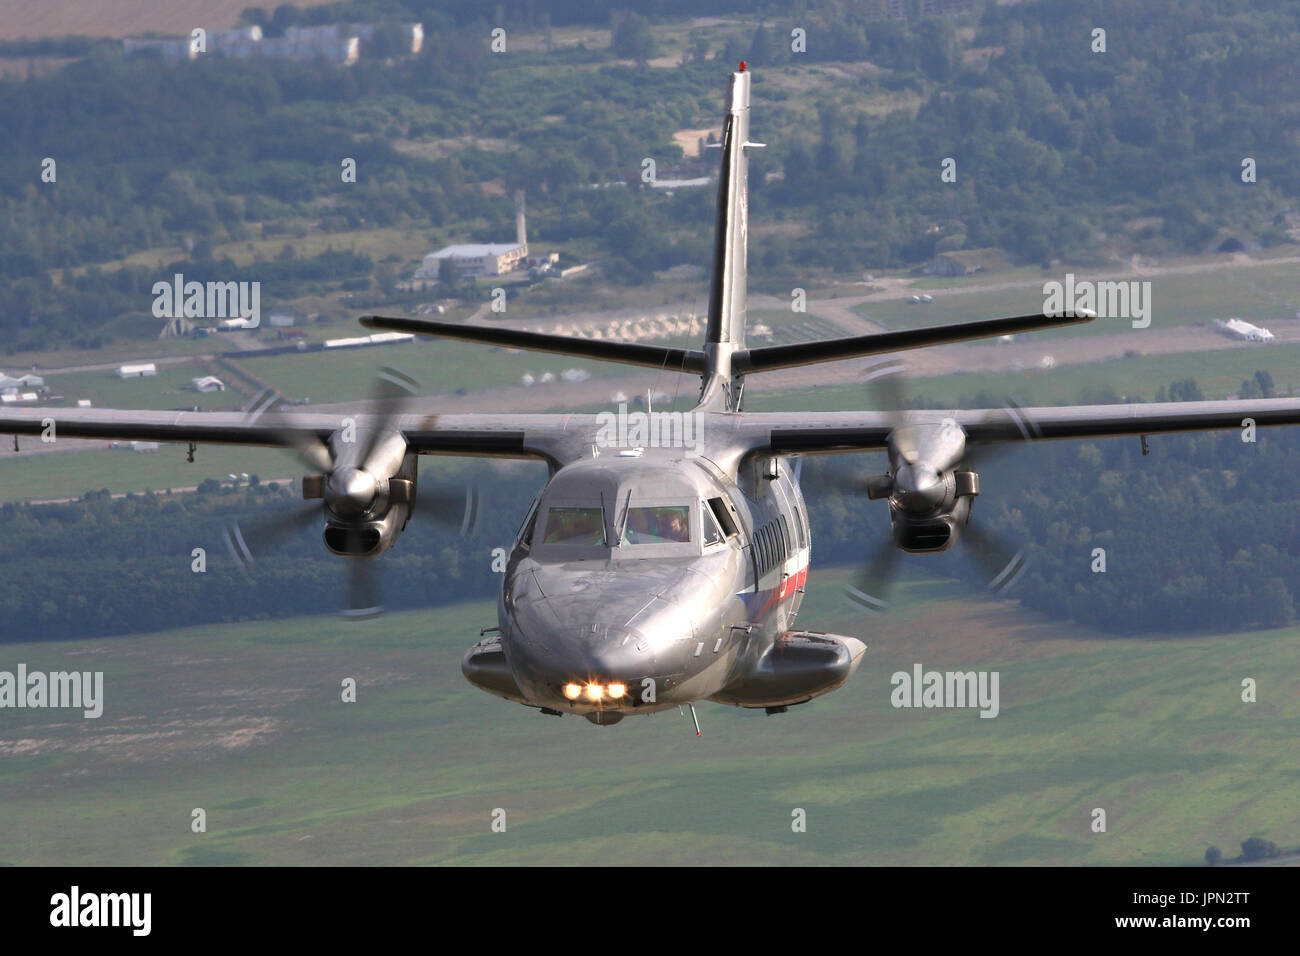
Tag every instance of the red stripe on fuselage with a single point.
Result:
(788, 587)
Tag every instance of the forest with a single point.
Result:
(1059, 151)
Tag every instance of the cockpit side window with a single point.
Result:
(712, 533)
(574, 525)
(719, 509)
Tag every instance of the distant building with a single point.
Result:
(137, 371)
(379, 338)
(339, 43)
(209, 383)
(1240, 329)
(965, 262)
(20, 381)
(474, 260)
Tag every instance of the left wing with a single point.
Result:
(812, 433)
(499, 436)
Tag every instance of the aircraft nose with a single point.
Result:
(584, 667)
(603, 655)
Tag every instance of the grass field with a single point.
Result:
(70, 475)
(1261, 293)
(170, 388)
(246, 722)
(1219, 373)
(446, 366)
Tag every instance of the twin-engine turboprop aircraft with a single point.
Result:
(650, 574)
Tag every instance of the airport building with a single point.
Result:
(476, 260)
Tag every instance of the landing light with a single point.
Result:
(572, 691)
(595, 692)
(616, 690)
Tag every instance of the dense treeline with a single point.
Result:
(104, 566)
(1058, 150)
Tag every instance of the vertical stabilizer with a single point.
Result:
(726, 329)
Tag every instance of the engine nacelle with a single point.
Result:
(365, 513)
(369, 538)
(938, 529)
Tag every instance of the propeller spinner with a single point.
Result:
(365, 482)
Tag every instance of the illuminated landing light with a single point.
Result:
(595, 692)
(616, 690)
(572, 691)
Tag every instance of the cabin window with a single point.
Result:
(785, 538)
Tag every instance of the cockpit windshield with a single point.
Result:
(664, 524)
(568, 525)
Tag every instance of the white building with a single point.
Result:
(20, 381)
(209, 383)
(482, 259)
(1244, 330)
(137, 371)
(339, 43)
(475, 259)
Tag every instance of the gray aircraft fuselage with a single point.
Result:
(670, 622)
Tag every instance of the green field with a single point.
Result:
(445, 366)
(171, 388)
(1265, 294)
(72, 474)
(246, 722)
(1219, 373)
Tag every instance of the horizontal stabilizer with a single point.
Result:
(810, 353)
(629, 353)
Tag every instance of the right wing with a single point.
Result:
(812, 433)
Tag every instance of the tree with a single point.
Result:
(632, 37)
(1213, 855)
(448, 276)
(1257, 848)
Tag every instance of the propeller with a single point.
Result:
(362, 478)
(921, 456)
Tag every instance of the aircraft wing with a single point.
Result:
(508, 436)
(811, 433)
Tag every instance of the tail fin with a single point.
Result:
(727, 307)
